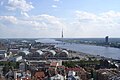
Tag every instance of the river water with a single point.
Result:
(108, 52)
(90, 49)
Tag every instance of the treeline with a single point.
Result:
(98, 43)
(15, 65)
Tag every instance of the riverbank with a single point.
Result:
(84, 56)
(96, 51)
(94, 41)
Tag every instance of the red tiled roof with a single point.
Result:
(61, 66)
(23, 79)
(28, 72)
(39, 74)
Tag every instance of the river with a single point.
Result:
(108, 52)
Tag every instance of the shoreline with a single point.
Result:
(93, 44)
(89, 52)
(78, 54)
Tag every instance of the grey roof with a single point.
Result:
(26, 52)
(40, 52)
(52, 51)
(2, 51)
(65, 51)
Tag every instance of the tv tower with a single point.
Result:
(62, 36)
(62, 33)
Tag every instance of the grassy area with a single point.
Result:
(11, 64)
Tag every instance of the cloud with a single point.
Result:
(52, 21)
(81, 15)
(34, 26)
(54, 6)
(24, 14)
(106, 18)
(96, 25)
(19, 4)
(10, 19)
(43, 20)
(1, 3)
(83, 24)
(57, 0)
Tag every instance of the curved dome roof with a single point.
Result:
(65, 51)
(52, 51)
(25, 52)
(40, 52)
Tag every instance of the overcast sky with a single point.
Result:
(46, 18)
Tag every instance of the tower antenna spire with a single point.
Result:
(62, 33)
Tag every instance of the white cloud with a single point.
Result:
(52, 21)
(10, 19)
(96, 25)
(1, 3)
(36, 26)
(57, 0)
(19, 4)
(24, 14)
(85, 15)
(110, 16)
(84, 24)
(54, 6)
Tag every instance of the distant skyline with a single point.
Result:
(46, 18)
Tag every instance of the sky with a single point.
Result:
(47, 18)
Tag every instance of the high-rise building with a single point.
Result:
(106, 39)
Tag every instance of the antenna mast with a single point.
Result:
(62, 33)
